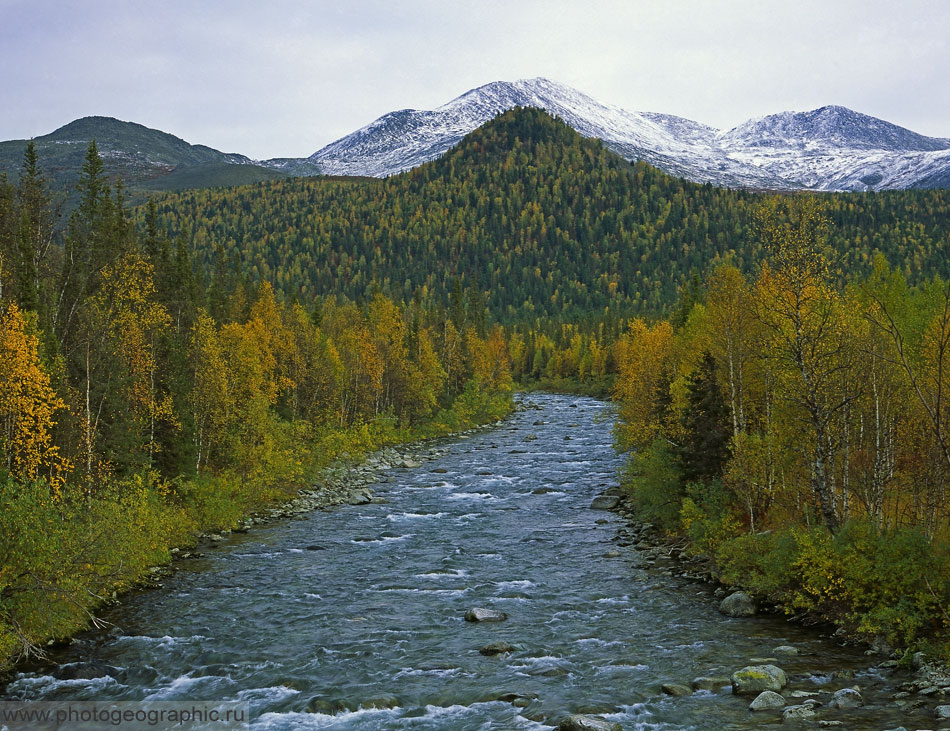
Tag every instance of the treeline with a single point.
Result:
(795, 430)
(546, 223)
(140, 404)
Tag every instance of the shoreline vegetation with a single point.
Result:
(791, 430)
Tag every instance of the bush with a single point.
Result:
(708, 516)
(653, 481)
(894, 584)
(58, 558)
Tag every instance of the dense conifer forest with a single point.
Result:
(544, 222)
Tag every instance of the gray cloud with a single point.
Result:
(282, 78)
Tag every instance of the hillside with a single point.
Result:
(145, 159)
(550, 223)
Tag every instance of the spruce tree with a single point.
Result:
(705, 420)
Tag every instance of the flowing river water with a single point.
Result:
(315, 621)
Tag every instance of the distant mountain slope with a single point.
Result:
(832, 148)
(551, 224)
(145, 159)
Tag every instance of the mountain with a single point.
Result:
(832, 148)
(402, 140)
(146, 159)
(835, 148)
(551, 224)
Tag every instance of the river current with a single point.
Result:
(354, 618)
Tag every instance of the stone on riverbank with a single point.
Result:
(767, 700)
(753, 679)
(480, 614)
(738, 604)
(578, 722)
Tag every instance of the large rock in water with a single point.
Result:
(709, 683)
(480, 614)
(798, 713)
(738, 604)
(675, 689)
(605, 502)
(578, 722)
(767, 700)
(753, 679)
(846, 698)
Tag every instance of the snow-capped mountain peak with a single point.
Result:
(830, 125)
(830, 148)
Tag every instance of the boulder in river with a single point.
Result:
(86, 671)
(737, 604)
(785, 650)
(480, 614)
(381, 702)
(846, 698)
(605, 502)
(497, 648)
(327, 706)
(578, 722)
(942, 713)
(675, 689)
(767, 700)
(798, 713)
(753, 679)
(709, 683)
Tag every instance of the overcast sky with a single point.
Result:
(275, 78)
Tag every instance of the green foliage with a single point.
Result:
(890, 583)
(705, 418)
(708, 515)
(654, 483)
(59, 559)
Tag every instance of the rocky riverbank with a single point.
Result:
(924, 683)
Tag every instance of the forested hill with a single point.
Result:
(548, 222)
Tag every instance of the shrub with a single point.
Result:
(653, 481)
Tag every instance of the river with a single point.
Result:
(313, 620)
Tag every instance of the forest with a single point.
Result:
(140, 407)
